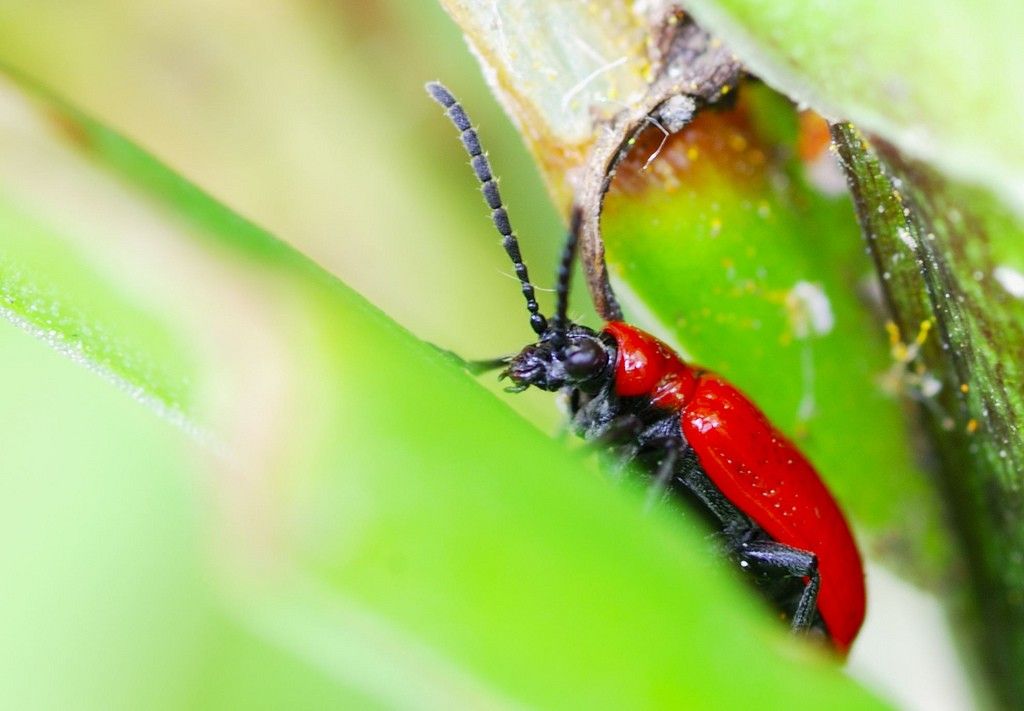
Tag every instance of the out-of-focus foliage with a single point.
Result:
(942, 81)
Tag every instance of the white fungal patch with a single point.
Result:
(809, 309)
(930, 385)
(1011, 280)
(906, 238)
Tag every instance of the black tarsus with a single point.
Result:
(779, 559)
(475, 367)
(489, 187)
(678, 470)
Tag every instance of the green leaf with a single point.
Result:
(941, 81)
(323, 510)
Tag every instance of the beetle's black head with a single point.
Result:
(580, 358)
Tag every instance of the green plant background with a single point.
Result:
(263, 491)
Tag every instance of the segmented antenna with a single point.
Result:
(489, 188)
(561, 319)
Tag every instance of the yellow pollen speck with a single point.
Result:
(692, 153)
(922, 335)
(897, 347)
(965, 388)
(972, 426)
(725, 90)
(894, 332)
(716, 225)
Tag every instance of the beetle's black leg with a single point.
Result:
(619, 438)
(606, 430)
(666, 469)
(659, 438)
(475, 367)
(602, 421)
(479, 367)
(776, 558)
(692, 476)
(595, 416)
(623, 428)
(764, 556)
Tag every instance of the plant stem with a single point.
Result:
(959, 334)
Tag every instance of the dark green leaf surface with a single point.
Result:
(951, 262)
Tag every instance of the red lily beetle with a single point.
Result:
(695, 436)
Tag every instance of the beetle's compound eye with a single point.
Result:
(585, 359)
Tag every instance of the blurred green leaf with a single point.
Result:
(941, 81)
(310, 120)
(351, 518)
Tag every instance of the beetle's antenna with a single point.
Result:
(489, 188)
(561, 319)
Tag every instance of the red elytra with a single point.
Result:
(754, 466)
